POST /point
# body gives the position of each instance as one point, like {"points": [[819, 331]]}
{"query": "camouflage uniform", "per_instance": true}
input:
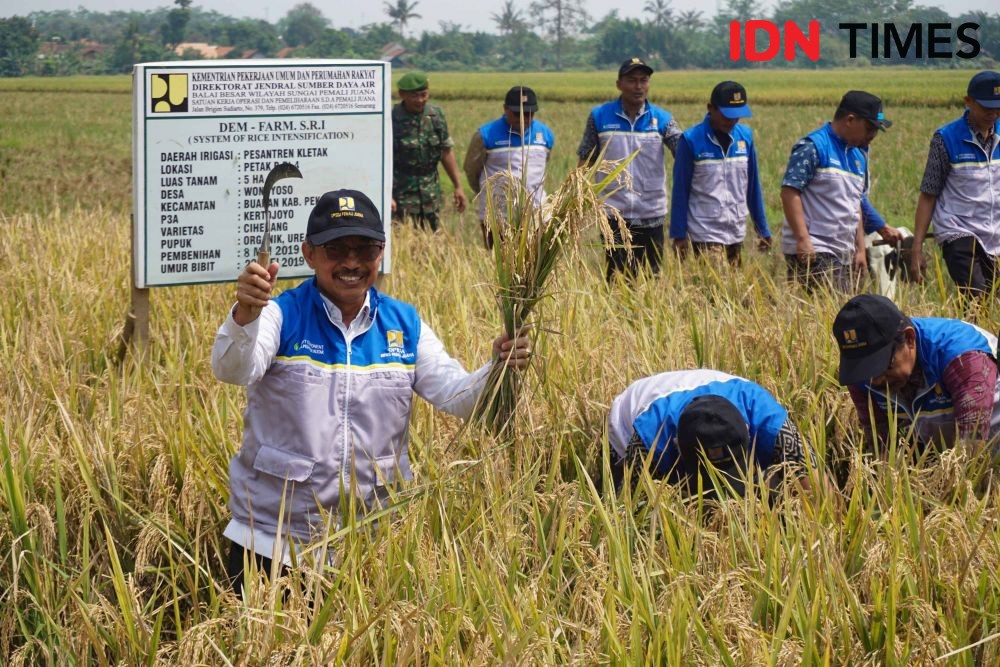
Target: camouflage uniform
{"points": [[418, 140]]}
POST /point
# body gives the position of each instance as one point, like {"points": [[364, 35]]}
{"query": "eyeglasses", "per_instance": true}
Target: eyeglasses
{"points": [[880, 379], [338, 252]]}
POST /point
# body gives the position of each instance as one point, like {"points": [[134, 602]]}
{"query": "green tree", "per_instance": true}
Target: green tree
{"points": [[988, 34], [691, 20], [172, 31], [509, 19], [333, 44], [133, 47], [303, 25], [249, 34], [737, 10], [661, 14], [562, 19], [618, 38], [18, 44], [402, 13]]}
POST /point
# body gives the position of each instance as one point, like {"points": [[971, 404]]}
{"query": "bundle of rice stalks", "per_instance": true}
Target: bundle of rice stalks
{"points": [[528, 242]]}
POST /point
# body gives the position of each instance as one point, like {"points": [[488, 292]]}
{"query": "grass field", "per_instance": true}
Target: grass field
{"points": [[113, 475]]}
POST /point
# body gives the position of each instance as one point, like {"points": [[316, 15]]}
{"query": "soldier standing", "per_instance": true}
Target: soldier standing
{"points": [[420, 140]]}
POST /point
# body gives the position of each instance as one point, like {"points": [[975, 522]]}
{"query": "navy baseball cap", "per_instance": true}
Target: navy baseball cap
{"points": [[865, 329], [711, 427], [344, 213], [521, 98], [730, 98], [984, 88], [865, 105], [634, 64]]}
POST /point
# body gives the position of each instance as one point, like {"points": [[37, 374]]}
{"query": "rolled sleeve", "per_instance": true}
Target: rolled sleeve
{"points": [[441, 127], [802, 164], [671, 135]]}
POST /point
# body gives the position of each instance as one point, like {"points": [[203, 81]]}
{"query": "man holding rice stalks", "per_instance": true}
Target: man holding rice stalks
{"points": [[330, 369], [676, 423], [937, 376], [420, 140], [826, 179], [513, 147], [716, 181], [614, 131]]}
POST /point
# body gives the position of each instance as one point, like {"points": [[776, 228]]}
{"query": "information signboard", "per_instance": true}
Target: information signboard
{"points": [[205, 134]]}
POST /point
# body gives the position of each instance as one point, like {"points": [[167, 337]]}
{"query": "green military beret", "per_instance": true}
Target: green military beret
{"points": [[412, 82]]}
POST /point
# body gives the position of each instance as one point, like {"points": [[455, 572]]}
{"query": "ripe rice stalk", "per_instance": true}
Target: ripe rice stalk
{"points": [[528, 242]]}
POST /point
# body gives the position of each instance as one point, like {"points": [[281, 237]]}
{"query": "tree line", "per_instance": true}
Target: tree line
{"points": [[534, 35]]}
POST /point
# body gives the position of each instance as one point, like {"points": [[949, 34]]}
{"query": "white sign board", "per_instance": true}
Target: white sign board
{"points": [[205, 135]]}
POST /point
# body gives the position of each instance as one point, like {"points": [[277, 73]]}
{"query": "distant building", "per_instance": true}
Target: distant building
{"points": [[206, 51], [85, 49], [393, 52]]}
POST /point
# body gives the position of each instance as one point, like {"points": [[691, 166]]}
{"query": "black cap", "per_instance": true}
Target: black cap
{"points": [[344, 213], [865, 105], [633, 64], [985, 89], [521, 97], [865, 329], [712, 427], [730, 98]]}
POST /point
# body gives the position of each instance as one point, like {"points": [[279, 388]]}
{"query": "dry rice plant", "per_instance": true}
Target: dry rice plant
{"points": [[529, 241]]}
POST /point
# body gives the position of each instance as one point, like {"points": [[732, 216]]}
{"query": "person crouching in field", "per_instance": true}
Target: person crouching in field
{"points": [[676, 421], [826, 178], [934, 374], [716, 181], [330, 369], [515, 145], [960, 191]]}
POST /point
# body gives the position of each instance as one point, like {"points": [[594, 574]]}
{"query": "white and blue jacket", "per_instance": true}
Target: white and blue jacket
{"points": [[969, 204], [939, 342], [651, 407], [832, 200], [328, 408], [619, 137], [714, 190], [521, 157]]}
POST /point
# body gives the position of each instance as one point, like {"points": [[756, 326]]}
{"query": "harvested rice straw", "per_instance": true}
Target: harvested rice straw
{"points": [[528, 242]]}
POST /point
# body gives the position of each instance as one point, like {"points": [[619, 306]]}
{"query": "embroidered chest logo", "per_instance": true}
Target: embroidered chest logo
{"points": [[741, 146], [538, 138], [308, 346], [394, 339], [656, 123]]}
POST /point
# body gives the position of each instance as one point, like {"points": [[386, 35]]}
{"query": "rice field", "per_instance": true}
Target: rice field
{"points": [[113, 476]]}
